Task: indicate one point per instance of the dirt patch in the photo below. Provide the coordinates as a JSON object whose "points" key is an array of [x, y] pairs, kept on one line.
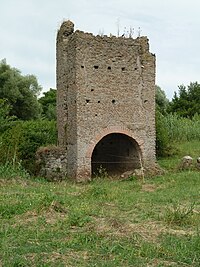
{"points": [[14, 181], [26, 218], [51, 215], [53, 257], [181, 232], [148, 231], [149, 187], [157, 262]]}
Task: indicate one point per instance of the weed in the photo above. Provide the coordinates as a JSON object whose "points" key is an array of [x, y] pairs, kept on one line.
{"points": [[180, 215], [78, 218], [101, 172]]}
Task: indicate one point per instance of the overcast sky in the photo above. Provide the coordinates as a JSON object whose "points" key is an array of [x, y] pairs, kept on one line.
{"points": [[28, 33]]}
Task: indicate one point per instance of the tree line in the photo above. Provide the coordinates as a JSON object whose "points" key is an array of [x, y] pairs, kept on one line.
{"points": [[185, 102], [28, 121]]}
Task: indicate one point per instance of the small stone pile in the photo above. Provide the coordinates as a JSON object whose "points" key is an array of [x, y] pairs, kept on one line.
{"points": [[51, 163], [187, 163]]}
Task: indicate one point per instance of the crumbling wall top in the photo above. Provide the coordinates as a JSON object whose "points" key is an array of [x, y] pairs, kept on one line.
{"points": [[66, 29]]}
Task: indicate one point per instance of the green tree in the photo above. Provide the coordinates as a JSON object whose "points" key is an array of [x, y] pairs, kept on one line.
{"points": [[48, 103], [5, 120], [20, 91], [163, 147], [186, 102], [162, 139], [162, 102]]}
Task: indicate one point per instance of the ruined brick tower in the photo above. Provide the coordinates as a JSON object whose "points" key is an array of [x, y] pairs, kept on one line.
{"points": [[105, 102]]}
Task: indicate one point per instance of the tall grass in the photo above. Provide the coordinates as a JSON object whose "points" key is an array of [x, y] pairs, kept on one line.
{"points": [[182, 129], [15, 170], [173, 130]]}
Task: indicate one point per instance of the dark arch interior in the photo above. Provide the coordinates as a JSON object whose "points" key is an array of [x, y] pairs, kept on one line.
{"points": [[116, 153]]}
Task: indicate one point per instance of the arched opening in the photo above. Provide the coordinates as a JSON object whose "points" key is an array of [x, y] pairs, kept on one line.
{"points": [[116, 153]]}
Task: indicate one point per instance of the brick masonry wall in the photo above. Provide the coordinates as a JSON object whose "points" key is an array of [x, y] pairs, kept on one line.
{"points": [[105, 85]]}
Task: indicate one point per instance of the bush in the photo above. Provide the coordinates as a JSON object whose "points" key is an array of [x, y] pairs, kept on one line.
{"points": [[6, 121], [163, 147], [21, 141]]}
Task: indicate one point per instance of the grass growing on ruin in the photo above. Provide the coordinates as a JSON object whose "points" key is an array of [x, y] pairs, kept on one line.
{"points": [[103, 223]]}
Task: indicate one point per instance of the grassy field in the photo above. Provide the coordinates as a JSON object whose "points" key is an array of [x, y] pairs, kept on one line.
{"points": [[102, 223]]}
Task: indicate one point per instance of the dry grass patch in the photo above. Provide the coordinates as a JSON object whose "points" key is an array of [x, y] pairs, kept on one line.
{"points": [[164, 263], [149, 187]]}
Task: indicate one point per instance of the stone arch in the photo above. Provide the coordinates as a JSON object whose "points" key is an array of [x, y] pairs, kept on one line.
{"points": [[116, 150]]}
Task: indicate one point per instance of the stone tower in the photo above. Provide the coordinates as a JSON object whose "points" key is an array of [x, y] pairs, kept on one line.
{"points": [[105, 102]]}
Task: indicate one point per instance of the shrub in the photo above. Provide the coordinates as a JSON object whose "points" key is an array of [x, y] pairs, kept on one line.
{"points": [[21, 141], [6, 121], [162, 137]]}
